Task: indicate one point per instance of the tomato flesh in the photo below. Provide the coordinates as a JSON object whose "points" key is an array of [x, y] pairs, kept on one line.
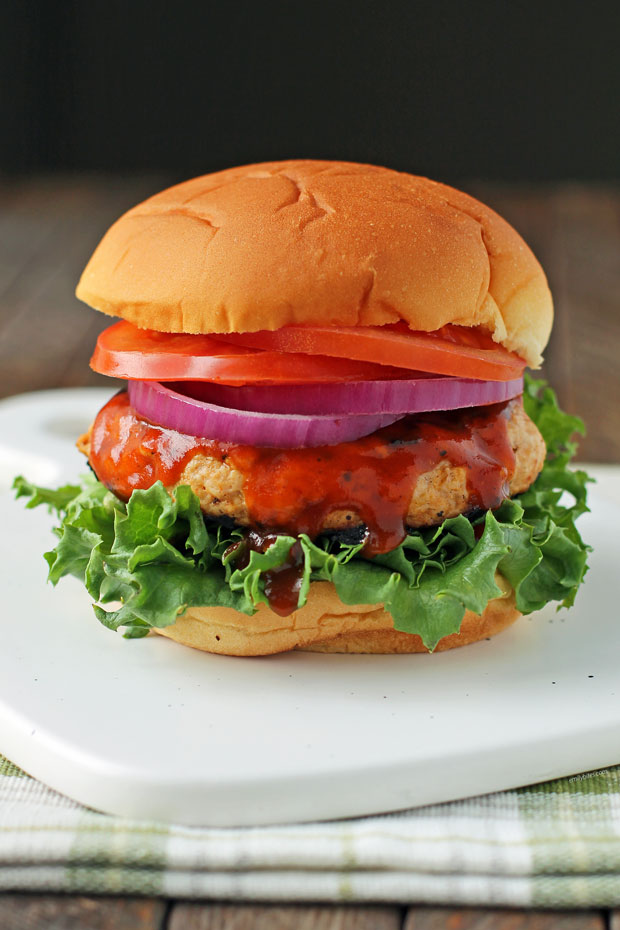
{"points": [[452, 350], [125, 351]]}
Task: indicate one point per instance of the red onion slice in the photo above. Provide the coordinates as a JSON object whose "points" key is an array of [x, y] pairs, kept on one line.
{"points": [[168, 408], [417, 395]]}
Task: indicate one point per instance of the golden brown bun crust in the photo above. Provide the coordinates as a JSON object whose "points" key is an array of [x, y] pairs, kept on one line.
{"points": [[325, 624], [269, 245]]}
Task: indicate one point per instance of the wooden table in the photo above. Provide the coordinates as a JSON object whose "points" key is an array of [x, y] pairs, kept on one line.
{"points": [[48, 228]]}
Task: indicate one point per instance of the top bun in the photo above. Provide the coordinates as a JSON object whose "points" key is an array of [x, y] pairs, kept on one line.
{"points": [[318, 242]]}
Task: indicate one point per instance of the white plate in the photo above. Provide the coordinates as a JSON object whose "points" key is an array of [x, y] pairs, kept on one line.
{"points": [[147, 728]]}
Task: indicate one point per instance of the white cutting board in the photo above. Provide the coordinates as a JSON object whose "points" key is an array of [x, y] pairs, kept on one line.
{"points": [[148, 728]]}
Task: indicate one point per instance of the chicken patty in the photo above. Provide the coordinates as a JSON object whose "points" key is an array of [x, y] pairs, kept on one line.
{"points": [[417, 472], [439, 493]]}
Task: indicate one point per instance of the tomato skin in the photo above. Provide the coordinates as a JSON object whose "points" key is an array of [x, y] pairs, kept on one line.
{"points": [[125, 351], [446, 352]]}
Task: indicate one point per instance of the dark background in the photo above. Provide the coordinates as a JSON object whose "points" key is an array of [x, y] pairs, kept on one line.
{"points": [[515, 91]]}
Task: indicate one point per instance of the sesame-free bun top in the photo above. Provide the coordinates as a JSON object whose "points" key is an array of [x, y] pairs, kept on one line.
{"points": [[317, 242]]}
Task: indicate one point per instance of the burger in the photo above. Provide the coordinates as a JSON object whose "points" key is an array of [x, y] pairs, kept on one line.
{"points": [[327, 440]]}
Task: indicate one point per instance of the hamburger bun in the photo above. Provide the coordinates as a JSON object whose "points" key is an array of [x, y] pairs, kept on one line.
{"points": [[325, 624], [317, 242]]}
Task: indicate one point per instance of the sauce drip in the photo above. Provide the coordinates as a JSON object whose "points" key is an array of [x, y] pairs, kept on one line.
{"points": [[283, 583], [295, 490], [129, 454]]}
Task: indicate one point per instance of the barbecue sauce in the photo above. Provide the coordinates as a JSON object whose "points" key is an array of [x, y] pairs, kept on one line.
{"points": [[293, 491], [283, 583]]}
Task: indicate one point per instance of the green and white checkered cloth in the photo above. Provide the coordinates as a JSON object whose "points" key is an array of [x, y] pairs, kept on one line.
{"points": [[550, 845]]}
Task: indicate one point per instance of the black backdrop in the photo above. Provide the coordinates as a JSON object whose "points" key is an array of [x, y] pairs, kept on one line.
{"points": [[462, 89]]}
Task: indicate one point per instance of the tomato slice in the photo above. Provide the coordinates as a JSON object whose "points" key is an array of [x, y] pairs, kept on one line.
{"points": [[125, 351], [453, 350]]}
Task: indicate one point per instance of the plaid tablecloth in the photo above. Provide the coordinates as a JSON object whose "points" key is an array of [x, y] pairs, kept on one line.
{"points": [[550, 845]]}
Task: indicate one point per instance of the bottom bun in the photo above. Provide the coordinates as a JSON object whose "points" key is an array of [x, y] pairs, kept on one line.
{"points": [[324, 624]]}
